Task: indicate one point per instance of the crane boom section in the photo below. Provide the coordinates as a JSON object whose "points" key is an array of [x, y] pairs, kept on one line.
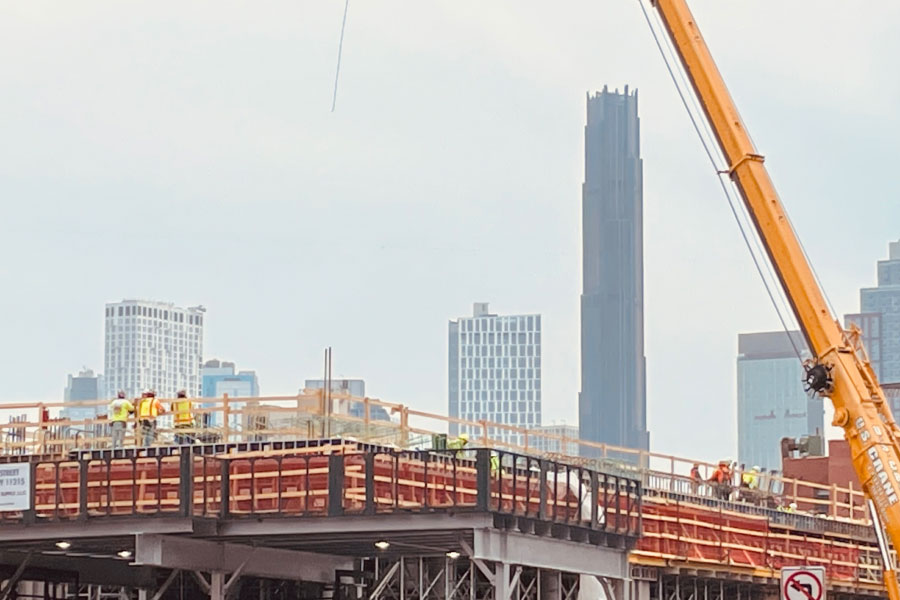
{"points": [[844, 373]]}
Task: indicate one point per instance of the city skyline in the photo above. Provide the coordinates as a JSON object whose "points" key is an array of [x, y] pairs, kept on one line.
{"points": [[446, 173], [354, 385]]}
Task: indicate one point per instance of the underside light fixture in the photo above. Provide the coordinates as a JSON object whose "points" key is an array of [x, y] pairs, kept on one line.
{"points": [[63, 545], [382, 545], [453, 555], [124, 554]]}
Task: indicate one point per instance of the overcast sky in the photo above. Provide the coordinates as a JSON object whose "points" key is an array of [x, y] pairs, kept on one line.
{"points": [[184, 151]]}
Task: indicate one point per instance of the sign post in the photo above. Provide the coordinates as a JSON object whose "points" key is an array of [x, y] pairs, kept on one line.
{"points": [[15, 487], [803, 583]]}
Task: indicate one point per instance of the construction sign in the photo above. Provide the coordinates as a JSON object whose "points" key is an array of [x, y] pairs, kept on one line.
{"points": [[803, 583], [15, 487]]}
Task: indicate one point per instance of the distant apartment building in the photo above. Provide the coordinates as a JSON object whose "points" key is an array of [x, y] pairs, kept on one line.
{"points": [[772, 402], [81, 389], [353, 387], [219, 378], [153, 345], [495, 372], [612, 405], [881, 306], [553, 445]]}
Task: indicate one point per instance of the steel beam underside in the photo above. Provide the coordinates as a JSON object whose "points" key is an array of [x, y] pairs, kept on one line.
{"points": [[549, 553], [89, 570], [172, 552]]}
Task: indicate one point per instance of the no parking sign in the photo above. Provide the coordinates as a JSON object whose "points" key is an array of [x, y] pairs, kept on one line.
{"points": [[803, 583]]}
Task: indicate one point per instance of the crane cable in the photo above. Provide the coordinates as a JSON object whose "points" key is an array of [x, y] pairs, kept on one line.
{"points": [[733, 204], [337, 71]]}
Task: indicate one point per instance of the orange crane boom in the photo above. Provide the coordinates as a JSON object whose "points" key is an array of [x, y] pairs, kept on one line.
{"points": [[840, 370]]}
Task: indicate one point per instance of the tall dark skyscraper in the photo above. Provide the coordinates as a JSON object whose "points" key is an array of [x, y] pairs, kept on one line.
{"points": [[612, 403]]}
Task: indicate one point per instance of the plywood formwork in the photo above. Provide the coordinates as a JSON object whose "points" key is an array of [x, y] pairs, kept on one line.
{"points": [[684, 534]]}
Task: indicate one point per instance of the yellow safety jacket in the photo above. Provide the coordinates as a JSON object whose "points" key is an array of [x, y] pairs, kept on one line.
{"points": [[457, 444], [183, 410], [149, 408], [119, 409], [495, 464]]}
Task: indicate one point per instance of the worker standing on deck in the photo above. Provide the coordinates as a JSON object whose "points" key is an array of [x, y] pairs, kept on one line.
{"points": [[721, 480], [696, 478], [183, 410], [750, 479], [149, 409], [495, 464], [459, 444], [118, 412]]}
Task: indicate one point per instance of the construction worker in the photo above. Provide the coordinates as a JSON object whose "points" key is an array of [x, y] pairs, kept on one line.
{"points": [[495, 463], [750, 479], [696, 478], [183, 411], [790, 508], [118, 412], [459, 444], [148, 410], [721, 480]]}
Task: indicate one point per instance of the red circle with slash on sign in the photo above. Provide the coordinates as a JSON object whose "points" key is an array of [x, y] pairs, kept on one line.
{"points": [[803, 585]]}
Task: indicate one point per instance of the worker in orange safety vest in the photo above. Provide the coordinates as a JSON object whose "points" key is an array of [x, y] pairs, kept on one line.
{"points": [[721, 480]]}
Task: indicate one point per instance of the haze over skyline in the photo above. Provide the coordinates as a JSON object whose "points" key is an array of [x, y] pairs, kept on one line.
{"points": [[186, 153]]}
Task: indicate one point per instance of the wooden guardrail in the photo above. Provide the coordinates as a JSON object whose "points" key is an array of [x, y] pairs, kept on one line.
{"points": [[315, 414]]}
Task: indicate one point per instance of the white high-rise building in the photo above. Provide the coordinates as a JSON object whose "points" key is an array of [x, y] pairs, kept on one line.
{"points": [[495, 372], [154, 345]]}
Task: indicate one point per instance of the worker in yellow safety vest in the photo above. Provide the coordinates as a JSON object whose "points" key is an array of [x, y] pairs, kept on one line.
{"points": [[495, 464], [148, 409], [183, 411], [750, 479], [118, 412], [459, 444]]}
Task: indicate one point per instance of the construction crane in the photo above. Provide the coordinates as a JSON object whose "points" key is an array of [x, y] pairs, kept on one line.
{"points": [[840, 369]]}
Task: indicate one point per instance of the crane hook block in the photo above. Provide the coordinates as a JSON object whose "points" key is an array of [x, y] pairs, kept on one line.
{"points": [[818, 378]]}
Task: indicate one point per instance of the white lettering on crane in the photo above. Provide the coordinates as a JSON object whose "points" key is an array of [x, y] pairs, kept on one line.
{"points": [[886, 486]]}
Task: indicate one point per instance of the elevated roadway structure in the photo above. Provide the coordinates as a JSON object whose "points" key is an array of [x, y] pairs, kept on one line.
{"points": [[378, 512]]}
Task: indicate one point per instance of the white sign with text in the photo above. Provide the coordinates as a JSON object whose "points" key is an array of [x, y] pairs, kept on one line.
{"points": [[15, 487]]}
